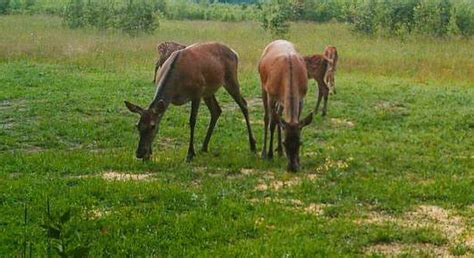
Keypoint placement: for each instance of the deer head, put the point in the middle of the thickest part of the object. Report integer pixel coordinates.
(147, 126)
(292, 140)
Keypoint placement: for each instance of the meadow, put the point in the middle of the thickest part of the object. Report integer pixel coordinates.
(389, 171)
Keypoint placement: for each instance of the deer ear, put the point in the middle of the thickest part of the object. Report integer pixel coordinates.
(306, 121)
(159, 107)
(133, 108)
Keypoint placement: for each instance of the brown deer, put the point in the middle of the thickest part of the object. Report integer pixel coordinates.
(322, 68)
(284, 85)
(190, 74)
(165, 50)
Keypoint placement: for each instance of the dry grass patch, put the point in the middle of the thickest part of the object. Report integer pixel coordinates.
(453, 227)
(330, 163)
(268, 182)
(398, 249)
(341, 123)
(388, 107)
(97, 213)
(118, 176)
(294, 205)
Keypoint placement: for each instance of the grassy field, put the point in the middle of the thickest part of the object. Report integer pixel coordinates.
(390, 171)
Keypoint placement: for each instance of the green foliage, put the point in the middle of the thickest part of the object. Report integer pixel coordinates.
(365, 17)
(432, 17)
(132, 18)
(461, 20)
(184, 9)
(4, 6)
(438, 18)
(137, 16)
(275, 17)
(74, 14)
(426, 17)
(62, 236)
(321, 11)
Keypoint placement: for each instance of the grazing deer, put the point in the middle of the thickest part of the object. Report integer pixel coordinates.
(284, 85)
(190, 74)
(322, 68)
(165, 50)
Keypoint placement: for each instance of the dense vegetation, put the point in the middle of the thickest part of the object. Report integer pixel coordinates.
(437, 18)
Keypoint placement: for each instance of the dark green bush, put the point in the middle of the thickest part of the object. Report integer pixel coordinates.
(320, 11)
(132, 18)
(4, 6)
(432, 17)
(365, 18)
(74, 14)
(427, 17)
(135, 17)
(396, 17)
(462, 19)
(275, 17)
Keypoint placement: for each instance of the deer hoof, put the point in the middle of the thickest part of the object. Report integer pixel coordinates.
(280, 152)
(270, 156)
(253, 147)
(189, 157)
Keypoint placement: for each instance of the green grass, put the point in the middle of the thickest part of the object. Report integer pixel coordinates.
(399, 134)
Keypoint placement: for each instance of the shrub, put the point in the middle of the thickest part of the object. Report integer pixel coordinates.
(4, 6)
(132, 18)
(137, 17)
(427, 17)
(320, 11)
(364, 19)
(462, 19)
(395, 17)
(275, 17)
(432, 17)
(74, 14)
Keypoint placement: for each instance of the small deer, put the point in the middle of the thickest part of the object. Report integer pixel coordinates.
(284, 82)
(165, 50)
(191, 74)
(322, 68)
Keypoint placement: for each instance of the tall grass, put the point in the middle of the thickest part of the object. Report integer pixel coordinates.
(44, 38)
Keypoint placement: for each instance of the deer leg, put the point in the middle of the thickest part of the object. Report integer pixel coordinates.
(265, 128)
(192, 124)
(234, 90)
(320, 96)
(279, 147)
(157, 66)
(215, 110)
(272, 130)
(272, 109)
(325, 106)
(300, 107)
